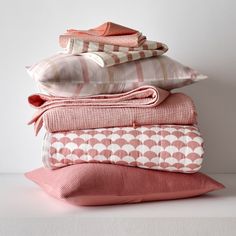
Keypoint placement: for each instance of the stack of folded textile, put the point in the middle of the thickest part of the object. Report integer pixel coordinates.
(112, 122)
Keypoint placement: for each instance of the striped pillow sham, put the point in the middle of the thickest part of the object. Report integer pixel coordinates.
(69, 75)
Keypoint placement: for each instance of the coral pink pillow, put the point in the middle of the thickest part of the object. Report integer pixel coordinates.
(103, 184)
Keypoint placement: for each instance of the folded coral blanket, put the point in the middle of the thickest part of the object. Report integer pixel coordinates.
(108, 29)
(64, 115)
(109, 55)
(142, 97)
(145, 96)
(108, 33)
(162, 147)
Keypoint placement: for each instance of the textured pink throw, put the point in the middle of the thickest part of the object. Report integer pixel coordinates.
(161, 147)
(142, 97)
(145, 96)
(176, 109)
(102, 184)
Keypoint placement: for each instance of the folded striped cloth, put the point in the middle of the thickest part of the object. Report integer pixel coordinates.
(98, 46)
(64, 115)
(108, 33)
(78, 46)
(108, 55)
(160, 147)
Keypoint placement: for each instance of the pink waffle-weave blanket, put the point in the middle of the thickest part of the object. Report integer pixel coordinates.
(65, 114)
(142, 97)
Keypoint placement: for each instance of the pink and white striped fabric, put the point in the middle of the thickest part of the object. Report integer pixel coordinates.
(77, 46)
(106, 59)
(65, 115)
(160, 147)
(110, 44)
(68, 75)
(109, 55)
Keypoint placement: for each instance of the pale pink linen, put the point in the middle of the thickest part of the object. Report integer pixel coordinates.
(67, 75)
(103, 184)
(174, 148)
(176, 109)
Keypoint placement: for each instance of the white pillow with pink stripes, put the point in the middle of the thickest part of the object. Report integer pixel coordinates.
(69, 75)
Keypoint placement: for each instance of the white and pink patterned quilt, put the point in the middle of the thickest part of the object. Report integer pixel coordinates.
(174, 148)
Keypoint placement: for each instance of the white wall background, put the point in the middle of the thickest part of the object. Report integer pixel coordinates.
(199, 33)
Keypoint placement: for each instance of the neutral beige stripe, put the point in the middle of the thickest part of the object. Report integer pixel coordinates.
(163, 67)
(139, 71)
(84, 68)
(110, 71)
